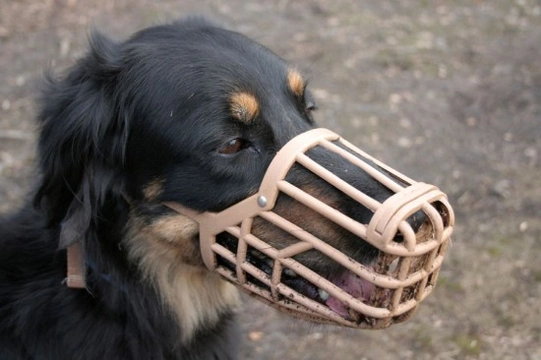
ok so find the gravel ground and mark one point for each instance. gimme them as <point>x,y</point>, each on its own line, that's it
<point>448,92</point>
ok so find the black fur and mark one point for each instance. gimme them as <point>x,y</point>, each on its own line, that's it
<point>152,109</point>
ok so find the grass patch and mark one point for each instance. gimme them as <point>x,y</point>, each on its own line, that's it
<point>468,345</point>
<point>450,285</point>
<point>423,339</point>
<point>494,251</point>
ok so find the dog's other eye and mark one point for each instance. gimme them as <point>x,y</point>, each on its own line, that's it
<point>309,103</point>
<point>311,106</point>
<point>233,146</point>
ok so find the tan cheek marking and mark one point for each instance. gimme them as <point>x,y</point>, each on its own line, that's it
<point>295,82</point>
<point>244,106</point>
<point>176,231</point>
<point>170,261</point>
<point>153,189</point>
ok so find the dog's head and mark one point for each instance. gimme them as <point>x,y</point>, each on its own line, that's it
<point>191,114</point>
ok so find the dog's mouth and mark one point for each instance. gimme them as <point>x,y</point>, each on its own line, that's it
<point>353,285</point>
<point>344,279</point>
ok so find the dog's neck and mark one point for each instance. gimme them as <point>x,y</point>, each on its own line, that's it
<point>167,253</point>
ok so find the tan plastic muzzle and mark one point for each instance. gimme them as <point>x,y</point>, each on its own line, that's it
<point>379,294</point>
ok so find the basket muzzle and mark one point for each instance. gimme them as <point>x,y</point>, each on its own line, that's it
<point>373,295</point>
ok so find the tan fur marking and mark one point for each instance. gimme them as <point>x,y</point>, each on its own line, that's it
<point>244,106</point>
<point>295,82</point>
<point>170,260</point>
<point>153,189</point>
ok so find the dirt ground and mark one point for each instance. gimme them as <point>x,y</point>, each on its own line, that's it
<point>449,92</point>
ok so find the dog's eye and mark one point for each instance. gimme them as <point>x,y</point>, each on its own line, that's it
<point>311,106</point>
<point>233,146</point>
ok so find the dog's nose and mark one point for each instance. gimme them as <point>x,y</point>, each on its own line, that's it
<point>415,221</point>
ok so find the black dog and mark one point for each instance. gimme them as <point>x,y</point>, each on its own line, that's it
<point>185,112</point>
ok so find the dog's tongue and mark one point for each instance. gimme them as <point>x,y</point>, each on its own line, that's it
<point>353,285</point>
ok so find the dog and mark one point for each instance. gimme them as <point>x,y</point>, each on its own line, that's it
<point>185,112</point>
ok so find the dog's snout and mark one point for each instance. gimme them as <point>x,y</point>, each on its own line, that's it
<point>415,221</point>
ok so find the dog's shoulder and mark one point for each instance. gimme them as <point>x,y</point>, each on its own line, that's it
<point>27,252</point>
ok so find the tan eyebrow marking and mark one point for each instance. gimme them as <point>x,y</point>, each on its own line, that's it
<point>244,106</point>
<point>153,189</point>
<point>295,82</point>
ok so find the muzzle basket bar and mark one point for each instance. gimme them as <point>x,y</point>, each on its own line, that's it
<point>403,274</point>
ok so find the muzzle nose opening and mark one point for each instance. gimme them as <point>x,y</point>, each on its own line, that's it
<point>427,229</point>
<point>416,221</point>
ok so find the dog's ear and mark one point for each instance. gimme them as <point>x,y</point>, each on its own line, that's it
<point>82,141</point>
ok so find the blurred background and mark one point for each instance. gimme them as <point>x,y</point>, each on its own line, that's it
<point>448,92</point>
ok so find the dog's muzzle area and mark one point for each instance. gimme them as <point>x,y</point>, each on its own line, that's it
<point>319,273</point>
